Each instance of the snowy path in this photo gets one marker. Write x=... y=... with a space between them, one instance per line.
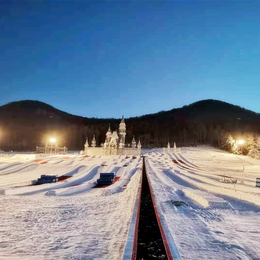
x=214 y=224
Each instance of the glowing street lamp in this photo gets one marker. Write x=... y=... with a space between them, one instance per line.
x=241 y=141
x=52 y=141
x=241 y=144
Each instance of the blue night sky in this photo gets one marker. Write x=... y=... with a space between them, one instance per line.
x=105 y=59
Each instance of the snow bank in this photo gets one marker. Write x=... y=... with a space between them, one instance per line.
x=195 y=196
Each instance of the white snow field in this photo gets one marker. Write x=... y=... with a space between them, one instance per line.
x=218 y=216
x=69 y=219
x=207 y=200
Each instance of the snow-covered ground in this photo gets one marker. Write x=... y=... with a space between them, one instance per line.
x=221 y=217
x=70 y=219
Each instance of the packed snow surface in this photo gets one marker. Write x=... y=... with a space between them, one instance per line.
x=207 y=199
x=209 y=202
x=79 y=221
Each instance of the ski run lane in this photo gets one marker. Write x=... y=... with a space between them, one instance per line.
x=207 y=224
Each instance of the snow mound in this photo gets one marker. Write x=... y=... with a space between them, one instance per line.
x=206 y=199
x=196 y=197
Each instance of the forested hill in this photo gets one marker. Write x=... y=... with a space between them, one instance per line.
x=26 y=124
x=208 y=111
x=35 y=110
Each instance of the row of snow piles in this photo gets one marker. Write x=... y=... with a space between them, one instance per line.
x=27 y=174
x=75 y=179
x=87 y=185
x=238 y=191
x=204 y=177
x=14 y=157
x=188 y=225
x=183 y=163
x=8 y=167
x=242 y=181
x=203 y=180
x=202 y=198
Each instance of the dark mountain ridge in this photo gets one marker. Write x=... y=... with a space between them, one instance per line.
x=30 y=107
x=25 y=124
x=210 y=105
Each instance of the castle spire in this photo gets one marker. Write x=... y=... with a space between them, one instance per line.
x=122 y=131
x=109 y=133
x=139 y=146
x=93 y=143
x=133 y=142
x=86 y=144
x=168 y=147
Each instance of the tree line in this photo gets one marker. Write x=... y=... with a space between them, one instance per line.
x=206 y=122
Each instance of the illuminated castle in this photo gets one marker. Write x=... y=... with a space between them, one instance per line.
x=114 y=143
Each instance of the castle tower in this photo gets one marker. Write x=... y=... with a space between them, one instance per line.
x=86 y=144
x=120 y=144
x=139 y=146
x=93 y=143
x=133 y=142
x=168 y=148
x=105 y=145
x=122 y=131
x=108 y=135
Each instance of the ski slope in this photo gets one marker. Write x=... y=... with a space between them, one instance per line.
x=69 y=219
x=206 y=199
x=218 y=217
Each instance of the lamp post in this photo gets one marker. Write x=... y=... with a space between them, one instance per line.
x=52 y=141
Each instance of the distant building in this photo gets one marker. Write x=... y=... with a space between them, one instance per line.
x=114 y=143
x=51 y=149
